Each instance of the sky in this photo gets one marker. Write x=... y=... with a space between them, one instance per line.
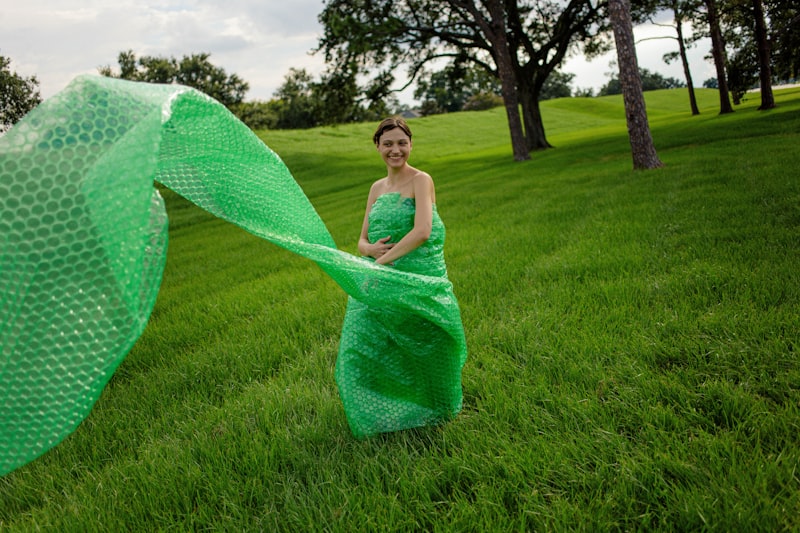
x=258 y=40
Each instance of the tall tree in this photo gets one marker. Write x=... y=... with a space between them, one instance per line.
x=718 y=53
x=294 y=101
x=679 y=10
x=336 y=98
x=492 y=25
x=642 y=148
x=382 y=35
x=764 y=69
x=543 y=33
x=682 y=10
x=18 y=95
x=745 y=31
x=447 y=90
x=784 y=19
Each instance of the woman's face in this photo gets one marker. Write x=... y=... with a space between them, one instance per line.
x=395 y=147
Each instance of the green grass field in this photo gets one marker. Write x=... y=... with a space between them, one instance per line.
x=632 y=342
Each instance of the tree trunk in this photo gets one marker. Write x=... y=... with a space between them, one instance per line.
x=764 y=70
x=642 y=147
x=496 y=34
x=686 y=72
x=532 y=116
x=718 y=52
x=509 y=91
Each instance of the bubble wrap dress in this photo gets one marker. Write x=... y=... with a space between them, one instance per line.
x=83 y=244
x=396 y=370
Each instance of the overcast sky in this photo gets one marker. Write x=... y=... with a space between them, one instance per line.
x=259 y=40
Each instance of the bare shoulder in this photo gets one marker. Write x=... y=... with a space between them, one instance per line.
x=422 y=175
x=422 y=178
x=377 y=189
x=423 y=187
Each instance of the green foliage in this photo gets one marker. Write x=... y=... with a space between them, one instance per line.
x=651 y=81
x=300 y=102
x=449 y=89
x=784 y=20
x=557 y=85
x=482 y=101
x=257 y=115
x=633 y=346
x=18 y=95
x=194 y=71
x=742 y=68
x=294 y=101
x=460 y=86
x=737 y=20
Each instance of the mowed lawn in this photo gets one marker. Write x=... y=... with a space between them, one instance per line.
x=632 y=340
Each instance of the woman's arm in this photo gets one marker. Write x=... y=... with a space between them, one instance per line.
x=424 y=195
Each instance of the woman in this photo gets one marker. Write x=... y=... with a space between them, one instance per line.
x=402 y=182
x=397 y=367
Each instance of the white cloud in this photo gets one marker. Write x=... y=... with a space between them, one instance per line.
x=57 y=40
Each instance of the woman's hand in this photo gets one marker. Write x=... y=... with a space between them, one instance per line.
x=380 y=247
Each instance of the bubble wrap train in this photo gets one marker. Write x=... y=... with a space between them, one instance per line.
x=83 y=240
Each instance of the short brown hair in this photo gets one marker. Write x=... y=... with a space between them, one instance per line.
x=389 y=124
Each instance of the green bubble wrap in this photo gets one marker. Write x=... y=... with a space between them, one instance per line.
x=83 y=238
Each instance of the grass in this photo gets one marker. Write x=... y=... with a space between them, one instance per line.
x=632 y=340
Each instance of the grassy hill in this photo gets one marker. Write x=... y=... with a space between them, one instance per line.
x=632 y=346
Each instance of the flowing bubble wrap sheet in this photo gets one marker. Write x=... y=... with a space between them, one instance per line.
x=83 y=239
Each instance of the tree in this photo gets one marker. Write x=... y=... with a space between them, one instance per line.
x=257 y=115
x=784 y=18
x=194 y=71
x=764 y=69
x=642 y=147
x=742 y=68
x=294 y=101
x=558 y=85
x=492 y=25
x=682 y=11
x=482 y=101
x=335 y=97
x=18 y=95
x=449 y=89
x=382 y=35
x=679 y=9
x=744 y=29
x=718 y=53
x=651 y=81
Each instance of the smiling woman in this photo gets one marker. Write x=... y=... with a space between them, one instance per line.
x=395 y=371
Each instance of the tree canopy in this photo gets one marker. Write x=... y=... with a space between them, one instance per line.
x=651 y=81
x=18 y=95
x=194 y=71
x=451 y=88
x=520 y=42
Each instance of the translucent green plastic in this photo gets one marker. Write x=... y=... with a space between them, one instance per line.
x=83 y=239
